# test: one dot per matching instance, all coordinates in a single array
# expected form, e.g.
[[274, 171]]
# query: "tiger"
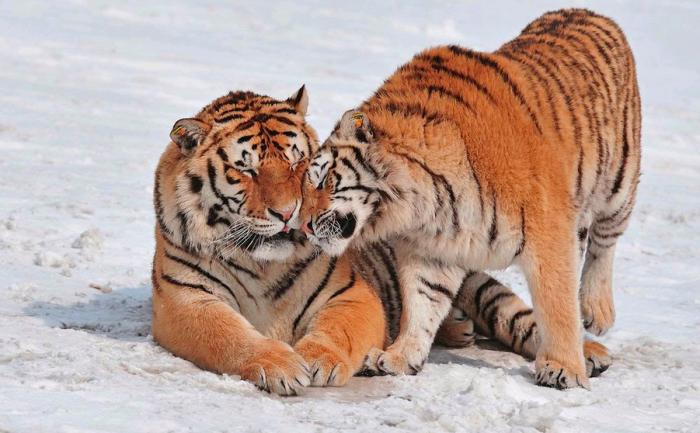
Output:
[[464, 161], [236, 289]]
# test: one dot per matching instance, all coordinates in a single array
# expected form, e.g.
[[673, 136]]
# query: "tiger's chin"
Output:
[[274, 251], [279, 247], [332, 246]]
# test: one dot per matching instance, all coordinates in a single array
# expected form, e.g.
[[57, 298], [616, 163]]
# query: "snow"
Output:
[[88, 93]]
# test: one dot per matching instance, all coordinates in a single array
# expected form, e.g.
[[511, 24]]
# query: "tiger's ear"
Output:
[[354, 124], [188, 134], [300, 100]]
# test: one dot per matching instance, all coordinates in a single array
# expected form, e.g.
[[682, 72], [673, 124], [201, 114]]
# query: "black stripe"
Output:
[[321, 285], [228, 118], [625, 152], [583, 50], [490, 63], [542, 83], [279, 288], [528, 335], [184, 236], [424, 293], [493, 231], [442, 91], [521, 247], [172, 280], [517, 316], [204, 273], [346, 162], [436, 63], [582, 234], [624, 208], [286, 110], [407, 109], [443, 180], [363, 188], [386, 295], [159, 207], [196, 183], [480, 292], [284, 120], [463, 283], [478, 184], [211, 172], [244, 138], [393, 291], [491, 317], [437, 288], [357, 153], [619, 219], [240, 268], [345, 288], [599, 235]]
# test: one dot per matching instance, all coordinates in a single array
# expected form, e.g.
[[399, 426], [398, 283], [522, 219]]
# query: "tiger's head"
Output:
[[230, 181], [345, 185]]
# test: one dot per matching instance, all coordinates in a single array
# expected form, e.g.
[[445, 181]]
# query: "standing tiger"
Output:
[[464, 161]]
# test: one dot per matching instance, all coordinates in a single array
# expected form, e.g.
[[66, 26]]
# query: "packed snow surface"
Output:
[[88, 93]]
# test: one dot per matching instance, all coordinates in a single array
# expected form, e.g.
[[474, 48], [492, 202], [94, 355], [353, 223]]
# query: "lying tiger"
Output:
[[234, 285], [465, 161]]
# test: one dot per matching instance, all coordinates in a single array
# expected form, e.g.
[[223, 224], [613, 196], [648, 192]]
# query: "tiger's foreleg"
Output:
[[550, 264], [195, 324], [342, 333], [427, 291]]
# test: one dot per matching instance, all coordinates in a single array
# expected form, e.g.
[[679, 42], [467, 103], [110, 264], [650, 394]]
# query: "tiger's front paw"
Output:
[[553, 374], [403, 359], [327, 367], [274, 367]]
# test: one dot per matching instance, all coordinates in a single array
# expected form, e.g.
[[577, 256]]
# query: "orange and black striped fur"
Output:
[[235, 289], [465, 161], [233, 282]]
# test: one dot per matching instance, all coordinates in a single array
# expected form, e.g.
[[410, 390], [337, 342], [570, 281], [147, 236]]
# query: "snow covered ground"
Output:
[[88, 93]]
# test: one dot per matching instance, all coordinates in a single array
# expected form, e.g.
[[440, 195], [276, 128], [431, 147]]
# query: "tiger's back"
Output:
[[566, 87], [580, 80]]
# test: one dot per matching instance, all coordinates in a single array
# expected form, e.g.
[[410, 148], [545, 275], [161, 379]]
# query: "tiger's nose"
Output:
[[284, 214]]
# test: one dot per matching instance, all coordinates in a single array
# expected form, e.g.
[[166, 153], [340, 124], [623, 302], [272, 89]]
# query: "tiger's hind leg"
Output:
[[596, 296], [612, 216], [596, 293]]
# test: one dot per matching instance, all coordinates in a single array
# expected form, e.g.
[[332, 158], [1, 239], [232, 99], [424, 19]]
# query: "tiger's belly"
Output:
[[471, 249]]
